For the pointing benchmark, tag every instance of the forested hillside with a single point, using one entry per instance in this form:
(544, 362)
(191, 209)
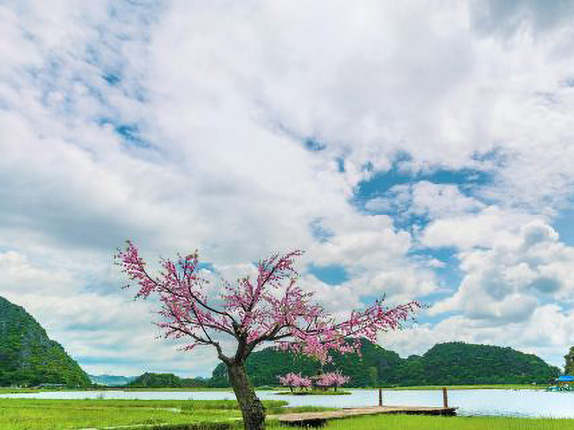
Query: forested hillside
(462, 363)
(29, 357)
(375, 366)
(165, 380)
(448, 363)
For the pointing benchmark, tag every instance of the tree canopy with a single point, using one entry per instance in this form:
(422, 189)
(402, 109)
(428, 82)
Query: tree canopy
(569, 358)
(270, 308)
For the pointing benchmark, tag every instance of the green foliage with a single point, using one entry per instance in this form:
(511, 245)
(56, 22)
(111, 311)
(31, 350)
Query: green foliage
(265, 366)
(460, 363)
(445, 364)
(165, 380)
(28, 357)
(569, 367)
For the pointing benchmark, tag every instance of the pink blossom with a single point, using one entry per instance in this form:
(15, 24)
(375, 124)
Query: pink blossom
(332, 379)
(294, 380)
(269, 308)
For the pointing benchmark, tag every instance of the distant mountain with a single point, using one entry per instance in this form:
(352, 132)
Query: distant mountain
(111, 380)
(454, 363)
(29, 357)
(462, 363)
(165, 380)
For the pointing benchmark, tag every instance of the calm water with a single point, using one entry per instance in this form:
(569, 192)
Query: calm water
(470, 402)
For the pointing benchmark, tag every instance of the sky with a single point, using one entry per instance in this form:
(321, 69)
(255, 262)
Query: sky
(417, 149)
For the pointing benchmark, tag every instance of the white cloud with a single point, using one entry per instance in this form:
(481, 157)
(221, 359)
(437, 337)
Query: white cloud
(220, 98)
(547, 332)
(483, 229)
(21, 276)
(510, 280)
(425, 199)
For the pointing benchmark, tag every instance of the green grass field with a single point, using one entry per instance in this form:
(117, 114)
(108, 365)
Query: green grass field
(4, 390)
(32, 414)
(17, 414)
(410, 422)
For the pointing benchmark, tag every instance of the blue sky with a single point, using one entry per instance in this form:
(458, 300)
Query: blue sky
(417, 150)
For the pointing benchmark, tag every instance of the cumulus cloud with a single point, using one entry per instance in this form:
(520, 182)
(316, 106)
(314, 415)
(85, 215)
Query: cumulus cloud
(544, 333)
(486, 228)
(509, 281)
(425, 199)
(242, 129)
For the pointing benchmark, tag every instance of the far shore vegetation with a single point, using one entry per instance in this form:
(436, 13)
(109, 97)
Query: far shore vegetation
(280, 390)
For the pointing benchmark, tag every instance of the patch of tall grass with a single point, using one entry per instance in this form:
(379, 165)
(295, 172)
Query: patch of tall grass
(37, 414)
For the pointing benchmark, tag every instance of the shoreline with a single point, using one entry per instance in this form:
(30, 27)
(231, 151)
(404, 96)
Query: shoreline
(280, 390)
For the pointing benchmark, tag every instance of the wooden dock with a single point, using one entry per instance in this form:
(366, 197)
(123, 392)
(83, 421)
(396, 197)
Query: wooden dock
(318, 419)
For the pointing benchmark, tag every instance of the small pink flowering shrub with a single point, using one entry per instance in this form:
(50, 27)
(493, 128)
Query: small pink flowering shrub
(295, 380)
(332, 379)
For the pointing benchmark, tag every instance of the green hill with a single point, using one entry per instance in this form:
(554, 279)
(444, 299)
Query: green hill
(454, 363)
(165, 380)
(29, 357)
(462, 363)
(111, 380)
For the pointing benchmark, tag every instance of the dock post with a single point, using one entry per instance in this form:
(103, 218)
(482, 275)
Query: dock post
(380, 397)
(444, 398)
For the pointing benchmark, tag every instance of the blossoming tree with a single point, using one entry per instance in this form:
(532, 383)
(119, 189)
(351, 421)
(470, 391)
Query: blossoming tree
(295, 380)
(332, 379)
(271, 308)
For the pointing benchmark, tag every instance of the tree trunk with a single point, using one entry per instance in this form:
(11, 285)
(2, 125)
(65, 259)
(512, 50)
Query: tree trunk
(251, 407)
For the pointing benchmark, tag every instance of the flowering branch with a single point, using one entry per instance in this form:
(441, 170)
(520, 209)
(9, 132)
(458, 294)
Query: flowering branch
(270, 308)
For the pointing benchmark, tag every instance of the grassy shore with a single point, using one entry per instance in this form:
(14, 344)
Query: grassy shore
(17, 390)
(473, 387)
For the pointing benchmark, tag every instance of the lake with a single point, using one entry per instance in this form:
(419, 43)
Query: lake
(523, 403)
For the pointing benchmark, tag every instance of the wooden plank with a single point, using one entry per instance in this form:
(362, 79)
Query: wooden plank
(319, 418)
